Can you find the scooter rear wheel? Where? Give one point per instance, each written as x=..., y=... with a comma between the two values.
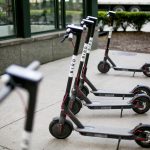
x=103, y=67
x=146, y=70
x=77, y=105
x=60, y=131
x=141, y=104
x=142, y=135
x=141, y=90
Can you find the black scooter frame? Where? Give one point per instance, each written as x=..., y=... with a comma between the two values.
x=139, y=103
x=29, y=80
x=138, y=89
x=61, y=128
x=104, y=66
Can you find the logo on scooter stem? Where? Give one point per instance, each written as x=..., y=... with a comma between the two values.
x=84, y=52
x=89, y=45
x=72, y=66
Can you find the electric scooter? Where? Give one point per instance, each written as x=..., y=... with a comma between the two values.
x=61, y=128
x=27, y=79
x=139, y=103
x=105, y=65
x=100, y=92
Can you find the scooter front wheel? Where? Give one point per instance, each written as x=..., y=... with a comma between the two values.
x=146, y=70
x=141, y=90
x=141, y=104
x=142, y=136
x=103, y=67
x=85, y=90
x=76, y=106
x=60, y=131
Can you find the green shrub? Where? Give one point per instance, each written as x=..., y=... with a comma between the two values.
x=125, y=19
x=37, y=12
x=139, y=19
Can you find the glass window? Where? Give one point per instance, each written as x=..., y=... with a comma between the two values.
x=42, y=15
x=60, y=14
x=74, y=11
x=6, y=18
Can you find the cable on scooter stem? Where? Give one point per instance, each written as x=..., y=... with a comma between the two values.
x=68, y=35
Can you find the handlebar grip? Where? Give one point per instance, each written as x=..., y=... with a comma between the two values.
x=84, y=27
x=34, y=65
x=70, y=36
x=4, y=92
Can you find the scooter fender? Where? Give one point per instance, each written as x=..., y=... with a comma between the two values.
x=68, y=121
x=146, y=64
x=138, y=96
x=141, y=87
x=139, y=126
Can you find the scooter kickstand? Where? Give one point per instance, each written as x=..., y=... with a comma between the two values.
x=119, y=140
x=121, y=112
x=121, y=108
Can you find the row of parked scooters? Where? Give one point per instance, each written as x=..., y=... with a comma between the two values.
x=60, y=127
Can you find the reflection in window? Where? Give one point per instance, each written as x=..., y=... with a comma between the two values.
x=42, y=15
x=6, y=18
x=74, y=11
x=60, y=14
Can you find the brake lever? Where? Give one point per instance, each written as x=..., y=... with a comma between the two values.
x=65, y=36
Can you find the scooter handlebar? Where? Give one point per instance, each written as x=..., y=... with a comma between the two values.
x=86, y=23
x=111, y=14
x=92, y=18
x=72, y=30
x=83, y=25
x=6, y=79
x=34, y=65
x=68, y=35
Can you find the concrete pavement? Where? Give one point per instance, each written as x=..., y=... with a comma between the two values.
x=50, y=95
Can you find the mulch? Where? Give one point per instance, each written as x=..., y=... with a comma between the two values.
x=128, y=41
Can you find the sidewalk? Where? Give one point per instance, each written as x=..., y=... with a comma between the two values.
x=51, y=93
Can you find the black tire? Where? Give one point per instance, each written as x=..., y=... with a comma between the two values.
x=134, y=9
x=143, y=132
x=103, y=67
x=85, y=90
x=146, y=70
x=77, y=105
x=141, y=90
x=55, y=127
x=119, y=8
x=141, y=104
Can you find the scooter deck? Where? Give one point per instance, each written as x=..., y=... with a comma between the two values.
x=106, y=132
x=109, y=104
x=108, y=93
x=127, y=69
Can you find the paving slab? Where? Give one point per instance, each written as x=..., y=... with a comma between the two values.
x=51, y=92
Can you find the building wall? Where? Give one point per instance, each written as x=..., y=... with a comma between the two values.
x=44, y=47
